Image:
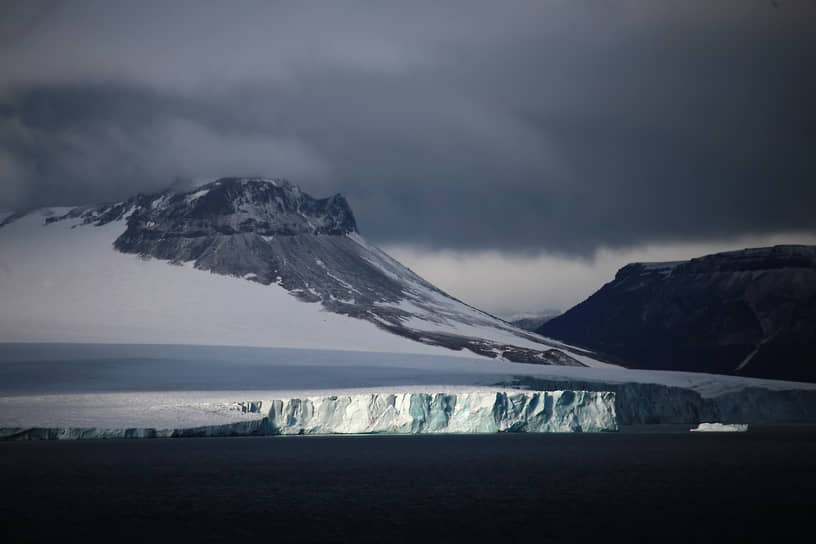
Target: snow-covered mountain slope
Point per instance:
(750, 312)
(64, 282)
(235, 262)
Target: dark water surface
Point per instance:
(619, 487)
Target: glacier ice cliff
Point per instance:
(476, 412)
(396, 413)
(653, 403)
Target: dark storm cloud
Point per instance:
(561, 126)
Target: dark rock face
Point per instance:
(271, 232)
(227, 206)
(750, 312)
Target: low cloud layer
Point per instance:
(520, 128)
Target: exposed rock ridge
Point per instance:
(750, 312)
(751, 259)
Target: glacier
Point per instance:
(204, 390)
(469, 412)
(394, 413)
(685, 398)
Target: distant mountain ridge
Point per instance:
(270, 232)
(531, 322)
(750, 312)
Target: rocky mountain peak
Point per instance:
(268, 207)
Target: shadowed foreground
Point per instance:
(662, 486)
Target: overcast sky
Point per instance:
(543, 142)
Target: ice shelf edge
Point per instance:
(383, 413)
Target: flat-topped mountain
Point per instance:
(750, 312)
(106, 273)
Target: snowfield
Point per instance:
(64, 282)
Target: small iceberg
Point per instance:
(721, 428)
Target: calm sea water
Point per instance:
(653, 487)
